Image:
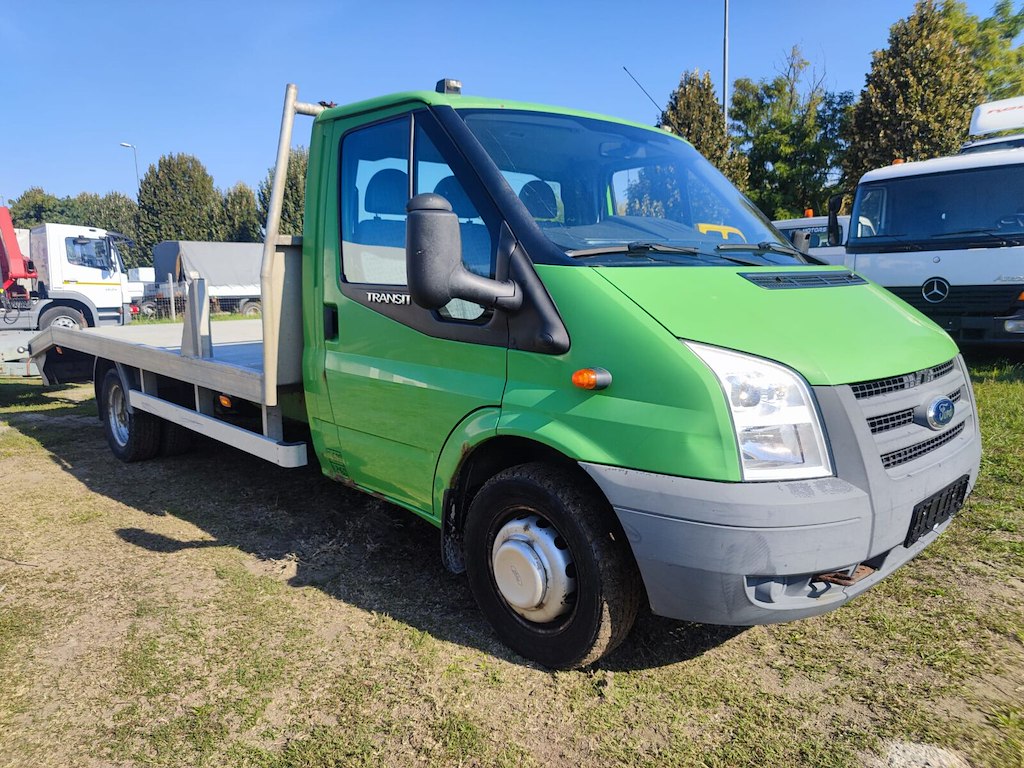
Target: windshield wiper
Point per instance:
(636, 248)
(1002, 237)
(765, 246)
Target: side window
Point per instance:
(375, 179)
(84, 252)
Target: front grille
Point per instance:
(877, 387)
(900, 418)
(893, 407)
(911, 452)
(975, 300)
(774, 281)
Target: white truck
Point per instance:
(947, 235)
(72, 276)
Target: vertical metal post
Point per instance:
(725, 69)
(171, 288)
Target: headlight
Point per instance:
(776, 421)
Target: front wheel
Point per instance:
(550, 567)
(62, 317)
(132, 435)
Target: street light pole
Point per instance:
(135, 154)
(725, 69)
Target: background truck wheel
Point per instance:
(251, 309)
(148, 309)
(62, 317)
(132, 436)
(550, 567)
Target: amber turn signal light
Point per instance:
(591, 378)
(224, 400)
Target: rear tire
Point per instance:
(174, 439)
(550, 567)
(132, 435)
(251, 309)
(62, 317)
(148, 309)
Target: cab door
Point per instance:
(400, 378)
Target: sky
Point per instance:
(208, 78)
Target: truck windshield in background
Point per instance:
(978, 208)
(592, 184)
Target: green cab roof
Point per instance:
(458, 101)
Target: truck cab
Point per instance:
(77, 279)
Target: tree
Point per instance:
(241, 219)
(177, 201)
(694, 112)
(35, 206)
(990, 42)
(918, 96)
(294, 193)
(790, 138)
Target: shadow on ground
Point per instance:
(351, 546)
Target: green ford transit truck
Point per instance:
(570, 344)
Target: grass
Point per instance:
(211, 610)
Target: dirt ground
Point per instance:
(211, 609)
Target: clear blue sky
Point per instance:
(207, 78)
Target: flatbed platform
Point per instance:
(235, 368)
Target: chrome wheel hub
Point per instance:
(533, 569)
(117, 415)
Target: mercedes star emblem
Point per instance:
(934, 290)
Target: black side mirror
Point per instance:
(835, 204)
(433, 260)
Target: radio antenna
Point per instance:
(656, 106)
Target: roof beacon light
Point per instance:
(453, 87)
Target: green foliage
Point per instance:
(177, 201)
(694, 112)
(790, 138)
(990, 42)
(241, 219)
(35, 206)
(294, 193)
(918, 97)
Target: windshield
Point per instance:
(979, 206)
(605, 191)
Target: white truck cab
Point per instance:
(947, 235)
(79, 281)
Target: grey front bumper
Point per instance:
(748, 553)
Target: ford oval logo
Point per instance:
(940, 412)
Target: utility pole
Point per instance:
(725, 69)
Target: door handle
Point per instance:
(330, 322)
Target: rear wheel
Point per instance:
(148, 309)
(251, 309)
(549, 566)
(131, 434)
(62, 317)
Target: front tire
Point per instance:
(131, 435)
(62, 317)
(550, 567)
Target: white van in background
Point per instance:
(816, 228)
(947, 236)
